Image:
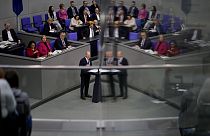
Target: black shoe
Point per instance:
(88, 96)
(83, 98)
(125, 97)
(120, 95)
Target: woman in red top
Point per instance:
(173, 50)
(44, 47)
(31, 50)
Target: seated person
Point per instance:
(85, 17)
(52, 15)
(173, 49)
(75, 21)
(44, 47)
(161, 46)
(131, 22)
(9, 34)
(144, 42)
(98, 27)
(156, 28)
(50, 28)
(153, 15)
(91, 31)
(96, 15)
(130, 25)
(31, 50)
(61, 42)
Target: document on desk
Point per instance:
(41, 58)
(103, 70)
(150, 52)
(56, 52)
(5, 44)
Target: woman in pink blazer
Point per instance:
(44, 47)
(161, 46)
(143, 13)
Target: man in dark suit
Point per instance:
(91, 31)
(133, 10)
(96, 15)
(85, 18)
(85, 76)
(83, 7)
(144, 42)
(9, 34)
(61, 43)
(50, 28)
(109, 60)
(72, 10)
(122, 61)
(93, 7)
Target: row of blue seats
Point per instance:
(38, 23)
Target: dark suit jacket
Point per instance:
(70, 12)
(81, 9)
(147, 44)
(114, 61)
(94, 17)
(159, 28)
(135, 12)
(83, 62)
(92, 8)
(82, 18)
(124, 62)
(59, 45)
(5, 36)
(47, 28)
(87, 32)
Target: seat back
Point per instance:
(46, 17)
(37, 21)
(52, 44)
(26, 23)
(67, 23)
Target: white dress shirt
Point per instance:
(10, 36)
(91, 33)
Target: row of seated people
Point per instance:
(43, 48)
(15, 114)
(84, 31)
(85, 13)
(162, 47)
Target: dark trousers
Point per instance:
(85, 80)
(111, 82)
(123, 85)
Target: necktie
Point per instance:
(142, 42)
(63, 42)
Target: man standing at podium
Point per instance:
(85, 76)
(122, 61)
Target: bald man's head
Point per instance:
(87, 54)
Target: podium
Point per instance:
(97, 89)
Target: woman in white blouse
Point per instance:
(131, 22)
(75, 21)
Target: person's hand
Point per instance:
(49, 53)
(36, 52)
(19, 42)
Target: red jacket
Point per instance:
(43, 49)
(31, 53)
(162, 48)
